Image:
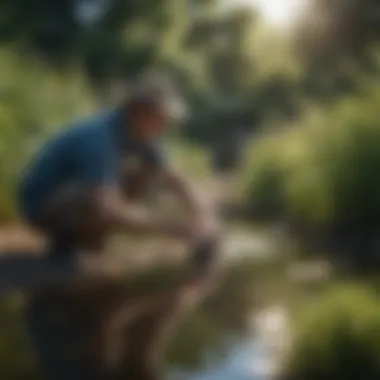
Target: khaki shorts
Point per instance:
(70, 214)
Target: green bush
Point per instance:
(338, 338)
(17, 359)
(325, 169)
(263, 180)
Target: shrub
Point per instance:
(324, 171)
(17, 359)
(337, 338)
(263, 180)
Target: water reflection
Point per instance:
(252, 356)
(239, 364)
(226, 338)
(235, 342)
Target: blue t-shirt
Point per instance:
(90, 152)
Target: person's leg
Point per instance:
(69, 218)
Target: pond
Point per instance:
(237, 333)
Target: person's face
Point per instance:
(148, 121)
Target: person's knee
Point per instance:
(73, 212)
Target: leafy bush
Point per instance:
(337, 338)
(263, 180)
(325, 170)
(17, 359)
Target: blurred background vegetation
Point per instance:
(293, 83)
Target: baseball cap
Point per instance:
(159, 90)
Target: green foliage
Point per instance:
(263, 180)
(16, 356)
(325, 170)
(190, 158)
(337, 337)
(110, 37)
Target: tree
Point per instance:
(102, 33)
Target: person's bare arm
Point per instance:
(118, 215)
(202, 212)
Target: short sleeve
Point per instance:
(97, 160)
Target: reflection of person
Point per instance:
(137, 335)
(109, 335)
(72, 190)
